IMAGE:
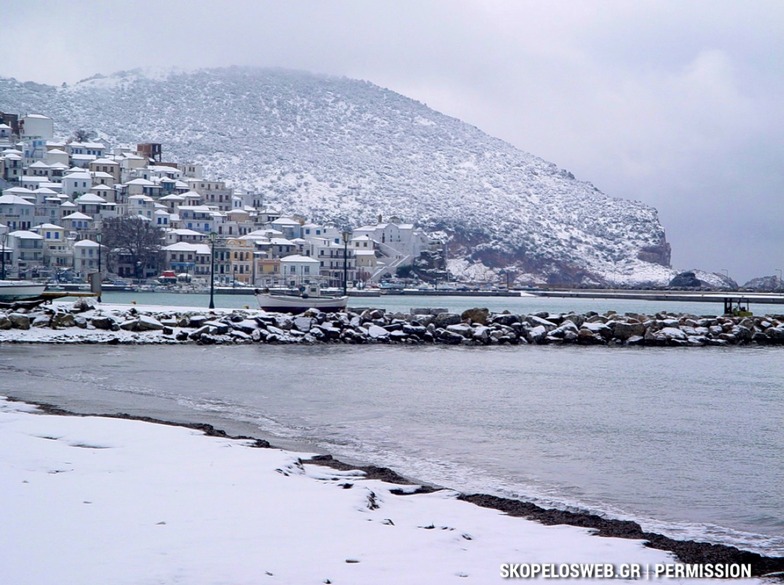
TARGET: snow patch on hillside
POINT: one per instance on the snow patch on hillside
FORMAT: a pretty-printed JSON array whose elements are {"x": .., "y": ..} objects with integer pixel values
[{"x": 345, "y": 151}]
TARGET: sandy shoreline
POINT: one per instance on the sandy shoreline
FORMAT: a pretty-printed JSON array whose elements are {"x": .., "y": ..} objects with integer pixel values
[{"x": 685, "y": 551}]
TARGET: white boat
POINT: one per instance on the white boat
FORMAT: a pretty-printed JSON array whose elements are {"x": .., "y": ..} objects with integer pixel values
[
  {"x": 19, "y": 290},
  {"x": 299, "y": 300}
]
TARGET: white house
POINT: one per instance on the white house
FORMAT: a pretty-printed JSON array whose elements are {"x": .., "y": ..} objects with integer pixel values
[
  {"x": 57, "y": 251},
  {"x": 90, "y": 204},
  {"x": 297, "y": 269},
  {"x": 77, "y": 222},
  {"x": 77, "y": 183},
  {"x": 85, "y": 260},
  {"x": 28, "y": 250},
  {"x": 197, "y": 217},
  {"x": 142, "y": 205},
  {"x": 15, "y": 212},
  {"x": 57, "y": 155},
  {"x": 189, "y": 258}
]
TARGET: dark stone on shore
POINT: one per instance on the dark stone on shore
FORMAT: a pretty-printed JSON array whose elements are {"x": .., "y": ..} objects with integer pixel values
[
  {"x": 19, "y": 321},
  {"x": 686, "y": 551},
  {"x": 475, "y": 315},
  {"x": 443, "y": 320}
]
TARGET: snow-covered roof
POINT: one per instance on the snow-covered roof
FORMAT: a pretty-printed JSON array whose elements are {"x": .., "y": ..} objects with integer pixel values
[
  {"x": 102, "y": 175},
  {"x": 86, "y": 244},
  {"x": 68, "y": 204},
  {"x": 187, "y": 247},
  {"x": 79, "y": 176},
  {"x": 281, "y": 242},
  {"x": 38, "y": 165},
  {"x": 285, "y": 221},
  {"x": 20, "y": 191},
  {"x": 26, "y": 235},
  {"x": 56, "y": 151},
  {"x": 143, "y": 182},
  {"x": 299, "y": 258},
  {"x": 48, "y": 226},
  {"x": 101, "y": 188},
  {"x": 38, "y": 116},
  {"x": 186, "y": 232},
  {"x": 14, "y": 200},
  {"x": 90, "y": 198},
  {"x": 172, "y": 197},
  {"x": 77, "y": 215},
  {"x": 140, "y": 198},
  {"x": 105, "y": 161},
  {"x": 45, "y": 191},
  {"x": 180, "y": 247},
  {"x": 254, "y": 238},
  {"x": 195, "y": 208}
]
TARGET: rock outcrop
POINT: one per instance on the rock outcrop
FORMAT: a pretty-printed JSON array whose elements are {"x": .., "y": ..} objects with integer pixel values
[{"x": 473, "y": 327}]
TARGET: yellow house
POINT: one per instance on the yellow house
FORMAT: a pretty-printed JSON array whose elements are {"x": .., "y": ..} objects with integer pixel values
[{"x": 241, "y": 259}]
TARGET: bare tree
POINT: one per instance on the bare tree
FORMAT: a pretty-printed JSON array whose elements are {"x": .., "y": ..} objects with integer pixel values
[
  {"x": 82, "y": 135},
  {"x": 136, "y": 240}
]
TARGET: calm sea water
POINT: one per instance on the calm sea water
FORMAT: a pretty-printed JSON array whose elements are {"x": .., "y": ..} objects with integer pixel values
[{"x": 687, "y": 441}]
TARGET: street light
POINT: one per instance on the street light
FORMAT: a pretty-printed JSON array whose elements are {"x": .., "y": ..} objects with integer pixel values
[
  {"x": 346, "y": 236},
  {"x": 2, "y": 270},
  {"x": 212, "y": 269},
  {"x": 100, "y": 277}
]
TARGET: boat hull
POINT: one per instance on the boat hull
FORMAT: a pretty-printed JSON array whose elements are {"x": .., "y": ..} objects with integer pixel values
[
  {"x": 298, "y": 304},
  {"x": 19, "y": 290}
]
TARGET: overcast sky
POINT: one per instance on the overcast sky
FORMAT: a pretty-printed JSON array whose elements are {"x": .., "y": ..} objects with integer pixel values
[{"x": 675, "y": 103}]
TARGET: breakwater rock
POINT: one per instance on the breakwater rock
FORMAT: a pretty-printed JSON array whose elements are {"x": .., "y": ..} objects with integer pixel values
[{"x": 86, "y": 322}]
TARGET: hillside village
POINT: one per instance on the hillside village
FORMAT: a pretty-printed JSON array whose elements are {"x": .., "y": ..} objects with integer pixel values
[{"x": 59, "y": 197}]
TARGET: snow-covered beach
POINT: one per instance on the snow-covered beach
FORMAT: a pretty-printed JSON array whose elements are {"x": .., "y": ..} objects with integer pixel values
[
  {"x": 89, "y": 500},
  {"x": 129, "y": 501}
]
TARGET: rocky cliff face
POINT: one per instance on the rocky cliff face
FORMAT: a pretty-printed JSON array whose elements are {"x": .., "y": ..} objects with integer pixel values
[{"x": 344, "y": 151}]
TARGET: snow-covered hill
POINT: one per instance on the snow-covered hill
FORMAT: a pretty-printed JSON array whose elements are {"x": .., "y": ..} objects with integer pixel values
[{"x": 346, "y": 151}]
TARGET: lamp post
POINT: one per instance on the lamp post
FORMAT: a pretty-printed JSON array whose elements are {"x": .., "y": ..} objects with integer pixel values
[
  {"x": 212, "y": 270},
  {"x": 346, "y": 236},
  {"x": 100, "y": 276},
  {"x": 2, "y": 270}
]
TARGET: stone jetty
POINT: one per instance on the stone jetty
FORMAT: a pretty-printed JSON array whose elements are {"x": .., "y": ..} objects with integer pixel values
[{"x": 87, "y": 322}]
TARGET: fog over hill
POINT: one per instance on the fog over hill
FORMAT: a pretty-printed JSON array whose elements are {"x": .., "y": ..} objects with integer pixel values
[{"x": 345, "y": 151}]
